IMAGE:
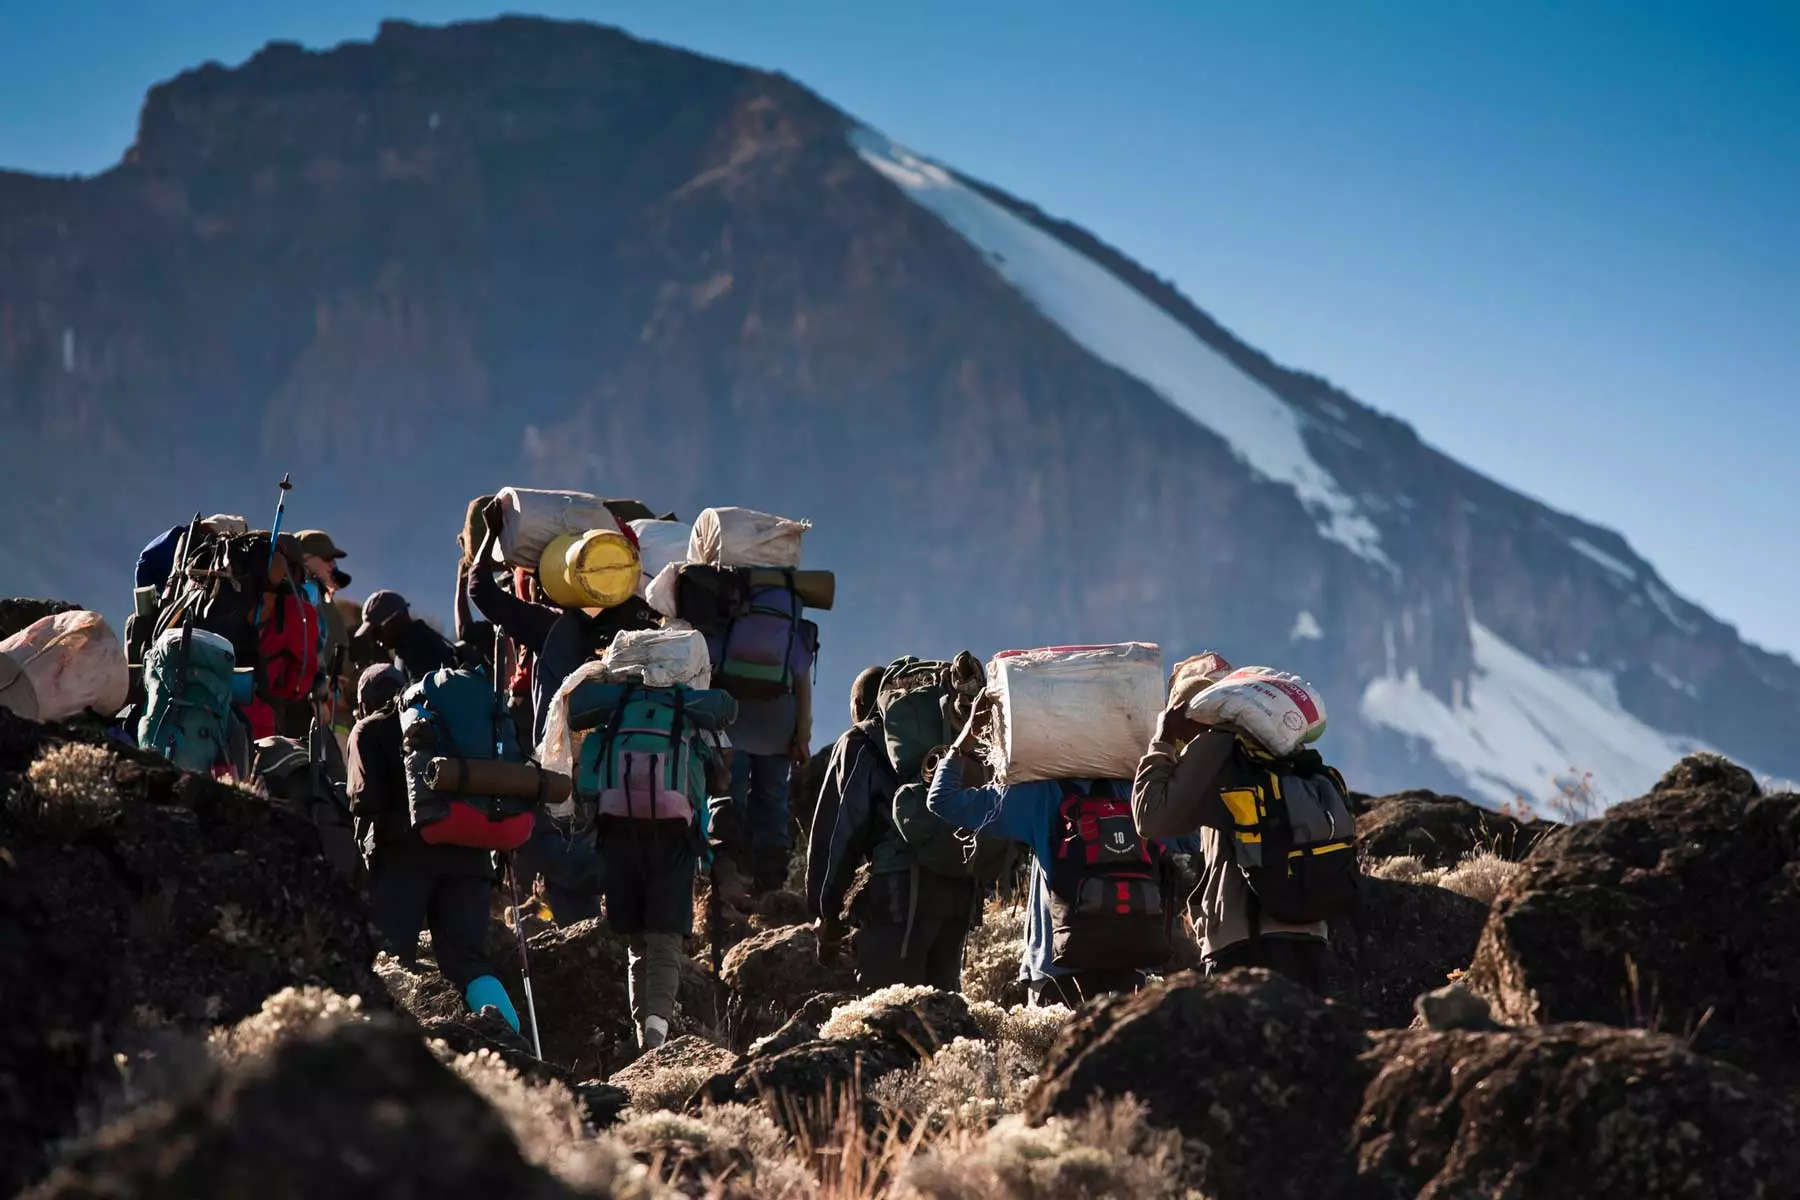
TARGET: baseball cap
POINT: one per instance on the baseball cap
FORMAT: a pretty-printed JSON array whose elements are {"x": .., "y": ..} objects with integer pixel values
[
  {"x": 318, "y": 543},
  {"x": 378, "y": 685},
  {"x": 381, "y": 608}
]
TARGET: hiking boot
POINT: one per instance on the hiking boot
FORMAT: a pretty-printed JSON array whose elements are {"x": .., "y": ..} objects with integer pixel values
[{"x": 652, "y": 1033}]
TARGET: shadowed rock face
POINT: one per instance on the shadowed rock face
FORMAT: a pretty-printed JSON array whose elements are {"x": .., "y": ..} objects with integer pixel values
[
  {"x": 549, "y": 254},
  {"x": 1674, "y": 911},
  {"x": 361, "y": 1110},
  {"x": 1569, "y": 1113},
  {"x": 1242, "y": 1063},
  {"x": 1441, "y": 830},
  {"x": 1402, "y": 939},
  {"x": 175, "y": 904}
]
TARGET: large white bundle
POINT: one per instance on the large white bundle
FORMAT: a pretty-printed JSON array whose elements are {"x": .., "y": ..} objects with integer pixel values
[
  {"x": 531, "y": 519},
  {"x": 743, "y": 537},
  {"x": 659, "y": 544},
  {"x": 1281, "y": 712},
  {"x": 74, "y": 662},
  {"x": 1074, "y": 712},
  {"x": 673, "y": 656},
  {"x": 662, "y": 592},
  {"x": 16, "y": 694}
]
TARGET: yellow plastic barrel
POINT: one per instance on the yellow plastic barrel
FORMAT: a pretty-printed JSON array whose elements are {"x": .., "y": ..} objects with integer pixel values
[{"x": 596, "y": 569}]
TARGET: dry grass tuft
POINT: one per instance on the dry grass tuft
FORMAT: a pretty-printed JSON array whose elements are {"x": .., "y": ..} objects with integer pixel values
[
  {"x": 1107, "y": 1152},
  {"x": 1479, "y": 876},
  {"x": 71, "y": 790},
  {"x": 969, "y": 1084},
  {"x": 991, "y": 955},
  {"x": 666, "y": 1090},
  {"x": 850, "y": 1020},
  {"x": 545, "y": 1119}
]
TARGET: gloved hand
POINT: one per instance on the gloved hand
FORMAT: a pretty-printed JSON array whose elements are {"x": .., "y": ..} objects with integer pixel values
[{"x": 832, "y": 934}]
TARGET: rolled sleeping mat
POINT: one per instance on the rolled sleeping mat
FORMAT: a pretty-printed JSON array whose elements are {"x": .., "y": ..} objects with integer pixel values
[
  {"x": 816, "y": 589},
  {"x": 487, "y": 777}
]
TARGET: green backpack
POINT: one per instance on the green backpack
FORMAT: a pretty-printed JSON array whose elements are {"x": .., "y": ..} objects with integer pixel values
[
  {"x": 923, "y": 704},
  {"x": 188, "y": 683}
]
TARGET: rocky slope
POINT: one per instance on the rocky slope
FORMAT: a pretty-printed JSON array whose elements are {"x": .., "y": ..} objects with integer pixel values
[{"x": 412, "y": 269}]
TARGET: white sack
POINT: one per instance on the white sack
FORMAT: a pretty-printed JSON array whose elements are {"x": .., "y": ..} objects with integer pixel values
[
  {"x": 674, "y": 656},
  {"x": 16, "y": 694},
  {"x": 661, "y": 594},
  {"x": 532, "y": 519},
  {"x": 743, "y": 537},
  {"x": 1075, "y": 712},
  {"x": 74, "y": 662},
  {"x": 659, "y": 544},
  {"x": 1281, "y": 712},
  {"x": 556, "y": 750}
]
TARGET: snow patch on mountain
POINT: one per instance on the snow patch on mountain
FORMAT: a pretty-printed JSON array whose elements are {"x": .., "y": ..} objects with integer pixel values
[
  {"x": 1117, "y": 324},
  {"x": 1520, "y": 726},
  {"x": 1590, "y": 551}
]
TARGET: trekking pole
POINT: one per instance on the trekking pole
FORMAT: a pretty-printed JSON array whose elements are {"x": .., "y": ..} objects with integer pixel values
[
  {"x": 512, "y": 878},
  {"x": 286, "y": 485}
]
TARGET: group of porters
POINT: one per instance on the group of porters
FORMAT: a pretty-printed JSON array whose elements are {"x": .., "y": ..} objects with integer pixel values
[{"x": 631, "y": 709}]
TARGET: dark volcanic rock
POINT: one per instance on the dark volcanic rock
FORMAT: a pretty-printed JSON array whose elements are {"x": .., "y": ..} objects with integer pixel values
[
  {"x": 361, "y": 1110},
  {"x": 687, "y": 1055},
  {"x": 1259, "y": 1071},
  {"x": 1401, "y": 940},
  {"x": 19, "y": 612},
  {"x": 1441, "y": 830},
  {"x": 172, "y": 903},
  {"x": 1573, "y": 1112},
  {"x": 771, "y": 974},
  {"x": 1676, "y": 911}
]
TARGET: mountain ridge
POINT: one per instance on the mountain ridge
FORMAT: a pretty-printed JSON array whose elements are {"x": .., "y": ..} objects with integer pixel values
[{"x": 369, "y": 260}]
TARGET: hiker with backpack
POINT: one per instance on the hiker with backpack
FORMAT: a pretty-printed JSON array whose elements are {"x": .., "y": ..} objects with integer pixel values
[
  {"x": 1277, "y": 839},
  {"x": 415, "y": 878},
  {"x": 417, "y": 648},
  {"x": 926, "y": 877},
  {"x": 1098, "y": 914},
  {"x": 559, "y": 640},
  {"x": 646, "y": 768}
]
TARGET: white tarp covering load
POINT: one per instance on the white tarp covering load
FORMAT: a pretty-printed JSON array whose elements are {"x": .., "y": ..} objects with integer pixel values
[
  {"x": 1074, "y": 712},
  {"x": 662, "y": 590},
  {"x": 659, "y": 544},
  {"x": 532, "y": 519},
  {"x": 74, "y": 662},
  {"x": 556, "y": 750},
  {"x": 674, "y": 656},
  {"x": 16, "y": 695},
  {"x": 743, "y": 537},
  {"x": 1281, "y": 712}
]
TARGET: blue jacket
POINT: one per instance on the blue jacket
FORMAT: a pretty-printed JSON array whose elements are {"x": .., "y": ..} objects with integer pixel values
[
  {"x": 1027, "y": 813},
  {"x": 157, "y": 560}
]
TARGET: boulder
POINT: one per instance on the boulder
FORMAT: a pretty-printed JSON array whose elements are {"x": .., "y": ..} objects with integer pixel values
[
  {"x": 865, "y": 1039},
  {"x": 1402, "y": 939},
  {"x": 774, "y": 972},
  {"x": 362, "y": 1109},
  {"x": 1262, "y": 1076},
  {"x": 683, "y": 1062},
  {"x": 1675, "y": 911},
  {"x": 139, "y": 903},
  {"x": 1441, "y": 830},
  {"x": 1573, "y": 1112}
]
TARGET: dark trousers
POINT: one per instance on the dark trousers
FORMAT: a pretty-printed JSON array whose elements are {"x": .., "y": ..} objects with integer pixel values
[
  {"x": 1072, "y": 990},
  {"x": 1305, "y": 960},
  {"x": 932, "y": 954},
  {"x": 649, "y": 869},
  {"x": 447, "y": 889},
  {"x": 573, "y": 870}
]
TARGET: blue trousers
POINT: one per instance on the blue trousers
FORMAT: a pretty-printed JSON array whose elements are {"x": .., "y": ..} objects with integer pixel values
[{"x": 759, "y": 789}]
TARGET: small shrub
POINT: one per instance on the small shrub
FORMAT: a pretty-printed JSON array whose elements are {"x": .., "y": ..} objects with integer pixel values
[
  {"x": 1479, "y": 876},
  {"x": 667, "y": 1089},
  {"x": 545, "y": 1119},
  {"x": 991, "y": 955},
  {"x": 291, "y": 1012},
  {"x": 70, "y": 791},
  {"x": 968, "y": 1084},
  {"x": 1109, "y": 1151},
  {"x": 1404, "y": 868},
  {"x": 851, "y": 1020}
]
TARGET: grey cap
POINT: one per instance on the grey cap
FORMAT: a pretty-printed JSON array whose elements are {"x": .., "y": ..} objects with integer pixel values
[{"x": 378, "y": 685}]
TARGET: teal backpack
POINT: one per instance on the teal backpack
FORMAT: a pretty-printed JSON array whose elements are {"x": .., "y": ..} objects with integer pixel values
[
  {"x": 644, "y": 757},
  {"x": 456, "y": 714},
  {"x": 190, "y": 679}
]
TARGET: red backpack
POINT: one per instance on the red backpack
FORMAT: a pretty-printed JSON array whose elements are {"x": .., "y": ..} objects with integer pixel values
[
  {"x": 289, "y": 644},
  {"x": 1107, "y": 896}
]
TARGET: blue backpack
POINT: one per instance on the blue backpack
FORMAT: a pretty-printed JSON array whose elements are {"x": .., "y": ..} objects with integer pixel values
[
  {"x": 452, "y": 714},
  {"x": 190, "y": 681},
  {"x": 645, "y": 757}
]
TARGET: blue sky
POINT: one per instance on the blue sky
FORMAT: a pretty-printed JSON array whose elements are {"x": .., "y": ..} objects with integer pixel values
[{"x": 1562, "y": 240}]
